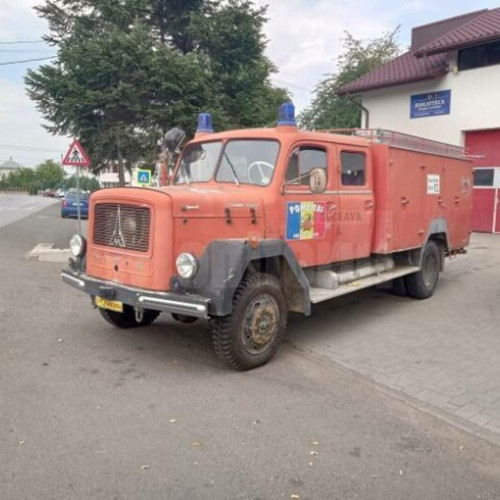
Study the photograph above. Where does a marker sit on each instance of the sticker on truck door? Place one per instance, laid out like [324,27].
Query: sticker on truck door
[433,184]
[305,220]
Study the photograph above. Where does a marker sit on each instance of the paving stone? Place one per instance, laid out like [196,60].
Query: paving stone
[492,411]
[444,351]
[433,397]
[469,410]
[493,425]
[480,419]
[464,398]
[453,391]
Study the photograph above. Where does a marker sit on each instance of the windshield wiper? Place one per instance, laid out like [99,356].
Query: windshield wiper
[233,171]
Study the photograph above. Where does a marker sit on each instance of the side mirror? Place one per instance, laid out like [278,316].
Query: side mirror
[173,139]
[317,180]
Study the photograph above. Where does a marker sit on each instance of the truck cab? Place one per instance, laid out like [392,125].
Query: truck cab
[261,222]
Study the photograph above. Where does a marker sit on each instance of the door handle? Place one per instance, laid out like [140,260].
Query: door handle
[369,204]
[404,201]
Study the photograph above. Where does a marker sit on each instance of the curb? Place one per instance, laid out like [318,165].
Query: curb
[44,252]
[424,406]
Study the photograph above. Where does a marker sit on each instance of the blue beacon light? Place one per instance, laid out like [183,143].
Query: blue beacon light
[204,124]
[287,115]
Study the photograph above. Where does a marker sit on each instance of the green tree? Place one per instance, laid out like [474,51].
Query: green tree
[232,41]
[85,183]
[22,178]
[328,109]
[127,71]
[49,174]
[111,82]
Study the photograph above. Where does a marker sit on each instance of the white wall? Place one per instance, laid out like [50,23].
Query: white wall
[475,105]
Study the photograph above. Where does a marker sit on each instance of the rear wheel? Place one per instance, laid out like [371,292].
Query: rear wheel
[128,318]
[421,285]
[250,336]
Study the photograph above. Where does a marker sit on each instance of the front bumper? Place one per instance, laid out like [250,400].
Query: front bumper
[190,305]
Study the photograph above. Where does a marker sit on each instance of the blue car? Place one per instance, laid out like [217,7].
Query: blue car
[69,206]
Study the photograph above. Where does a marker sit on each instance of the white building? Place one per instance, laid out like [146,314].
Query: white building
[108,176]
[9,166]
[445,88]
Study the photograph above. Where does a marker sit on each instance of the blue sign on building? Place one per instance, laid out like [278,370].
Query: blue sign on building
[430,104]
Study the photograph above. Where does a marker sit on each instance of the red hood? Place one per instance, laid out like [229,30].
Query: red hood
[196,201]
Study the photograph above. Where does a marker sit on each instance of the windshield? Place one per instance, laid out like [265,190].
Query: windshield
[248,162]
[198,163]
[241,162]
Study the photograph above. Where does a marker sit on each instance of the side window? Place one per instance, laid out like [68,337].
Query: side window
[353,168]
[483,177]
[301,162]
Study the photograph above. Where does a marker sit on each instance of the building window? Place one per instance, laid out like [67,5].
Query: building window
[353,168]
[479,56]
[483,177]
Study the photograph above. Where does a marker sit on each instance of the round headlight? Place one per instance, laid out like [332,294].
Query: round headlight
[77,245]
[187,265]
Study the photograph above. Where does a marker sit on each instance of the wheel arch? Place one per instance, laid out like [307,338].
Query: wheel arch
[224,263]
[438,232]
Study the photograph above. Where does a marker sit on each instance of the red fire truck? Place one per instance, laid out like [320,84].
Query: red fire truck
[261,222]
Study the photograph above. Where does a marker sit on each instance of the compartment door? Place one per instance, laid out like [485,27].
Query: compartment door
[356,212]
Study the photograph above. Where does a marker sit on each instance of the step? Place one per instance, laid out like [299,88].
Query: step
[321,294]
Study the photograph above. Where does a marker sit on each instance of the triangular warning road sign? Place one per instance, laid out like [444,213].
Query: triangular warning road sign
[76,156]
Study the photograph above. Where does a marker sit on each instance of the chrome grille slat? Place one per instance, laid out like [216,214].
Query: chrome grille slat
[121,225]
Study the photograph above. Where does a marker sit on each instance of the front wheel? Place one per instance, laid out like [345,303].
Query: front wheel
[250,336]
[421,285]
[128,318]
[184,318]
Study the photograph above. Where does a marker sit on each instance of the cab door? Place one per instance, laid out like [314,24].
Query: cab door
[354,221]
[308,215]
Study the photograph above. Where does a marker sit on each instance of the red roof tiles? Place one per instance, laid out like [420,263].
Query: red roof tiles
[477,27]
[483,28]
[404,69]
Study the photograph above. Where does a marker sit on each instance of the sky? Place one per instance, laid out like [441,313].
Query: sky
[305,38]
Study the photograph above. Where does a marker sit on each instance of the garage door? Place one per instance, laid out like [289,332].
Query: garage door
[484,147]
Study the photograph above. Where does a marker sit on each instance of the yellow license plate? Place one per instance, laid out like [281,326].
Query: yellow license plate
[112,305]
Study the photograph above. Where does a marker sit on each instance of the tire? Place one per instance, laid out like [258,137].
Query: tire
[421,285]
[127,319]
[183,318]
[399,287]
[258,303]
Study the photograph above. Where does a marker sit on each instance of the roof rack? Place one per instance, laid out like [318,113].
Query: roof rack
[403,141]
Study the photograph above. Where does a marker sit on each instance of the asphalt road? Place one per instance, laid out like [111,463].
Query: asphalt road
[14,206]
[88,411]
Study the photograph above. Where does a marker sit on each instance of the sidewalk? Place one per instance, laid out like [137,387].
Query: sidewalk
[444,351]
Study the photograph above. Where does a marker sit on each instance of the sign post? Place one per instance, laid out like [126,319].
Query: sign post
[76,157]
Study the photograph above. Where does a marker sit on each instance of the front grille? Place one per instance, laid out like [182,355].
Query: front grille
[122,226]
